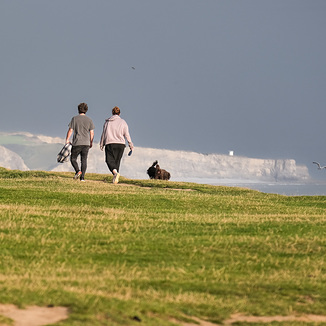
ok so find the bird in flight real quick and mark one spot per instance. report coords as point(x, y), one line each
point(319, 167)
point(133, 68)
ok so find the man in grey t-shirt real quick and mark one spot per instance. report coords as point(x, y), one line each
point(83, 129)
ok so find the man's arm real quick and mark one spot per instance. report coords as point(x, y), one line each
point(69, 135)
point(92, 137)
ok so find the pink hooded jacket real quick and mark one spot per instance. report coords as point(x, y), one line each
point(115, 131)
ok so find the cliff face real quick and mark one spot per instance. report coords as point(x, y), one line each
point(195, 165)
point(11, 160)
point(25, 151)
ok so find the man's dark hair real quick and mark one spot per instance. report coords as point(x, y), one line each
point(82, 108)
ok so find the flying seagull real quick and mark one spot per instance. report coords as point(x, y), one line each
point(133, 68)
point(319, 167)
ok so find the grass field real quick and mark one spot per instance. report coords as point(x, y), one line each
point(159, 253)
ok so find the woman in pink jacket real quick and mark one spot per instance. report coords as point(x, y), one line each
point(114, 136)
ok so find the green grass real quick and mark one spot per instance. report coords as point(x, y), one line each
point(162, 251)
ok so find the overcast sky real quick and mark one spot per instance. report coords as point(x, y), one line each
point(210, 75)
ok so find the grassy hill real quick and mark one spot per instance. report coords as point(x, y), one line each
point(159, 253)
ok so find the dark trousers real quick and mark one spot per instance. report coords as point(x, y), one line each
point(81, 150)
point(113, 155)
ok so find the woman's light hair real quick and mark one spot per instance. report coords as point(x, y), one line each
point(115, 111)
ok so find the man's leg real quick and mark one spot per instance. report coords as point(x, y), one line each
point(84, 155)
point(75, 150)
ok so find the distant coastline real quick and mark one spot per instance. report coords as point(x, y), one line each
point(38, 152)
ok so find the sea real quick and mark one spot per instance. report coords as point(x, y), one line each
point(309, 188)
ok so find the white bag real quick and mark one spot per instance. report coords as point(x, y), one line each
point(64, 154)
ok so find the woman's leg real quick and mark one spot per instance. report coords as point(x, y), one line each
point(113, 156)
point(119, 149)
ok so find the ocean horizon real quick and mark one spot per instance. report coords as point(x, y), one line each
point(302, 188)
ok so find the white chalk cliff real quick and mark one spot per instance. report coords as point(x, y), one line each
point(25, 151)
point(11, 160)
point(183, 165)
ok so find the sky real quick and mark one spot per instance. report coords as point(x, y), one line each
point(208, 76)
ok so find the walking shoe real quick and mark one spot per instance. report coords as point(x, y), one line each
point(115, 179)
point(77, 175)
point(82, 180)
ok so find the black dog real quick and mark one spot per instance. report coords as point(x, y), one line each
point(151, 170)
point(155, 172)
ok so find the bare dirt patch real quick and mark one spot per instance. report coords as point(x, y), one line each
point(144, 187)
point(40, 316)
point(183, 189)
point(33, 315)
point(236, 318)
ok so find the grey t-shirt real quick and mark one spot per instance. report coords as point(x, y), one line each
point(82, 125)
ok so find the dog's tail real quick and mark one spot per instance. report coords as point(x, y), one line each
point(154, 163)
